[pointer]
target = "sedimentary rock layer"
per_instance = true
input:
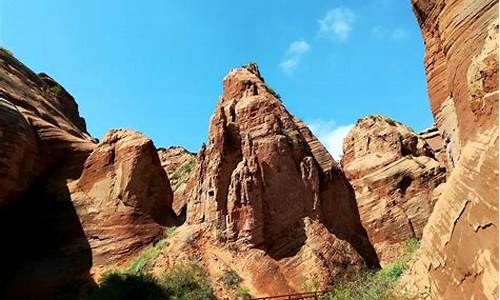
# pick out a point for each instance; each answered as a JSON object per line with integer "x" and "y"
{"x": 396, "y": 179}
{"x": 458, "y": 258}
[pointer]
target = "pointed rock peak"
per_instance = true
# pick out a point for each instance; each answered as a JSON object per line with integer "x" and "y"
{"x": 254, "y": 69}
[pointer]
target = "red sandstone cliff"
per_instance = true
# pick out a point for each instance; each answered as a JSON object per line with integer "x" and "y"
{"x": 66, "y": 202}
{"x": 266, "y": 189}
{"x": 458, "y": 258}
{"x": 396, "y": 179}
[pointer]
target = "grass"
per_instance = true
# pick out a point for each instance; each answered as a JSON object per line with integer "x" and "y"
{"x": 187, "y": 282}
{"x": 143, "y": 262}
{"x": 375, "y": 285}
{"x": 119, "y": 285}
{"x": 231, "y": 279}
{"x": 242, "y": 294}
{"x": 6, "y": 50}
{"x": 56, "y": 90}
{"x": 184, "y": 169}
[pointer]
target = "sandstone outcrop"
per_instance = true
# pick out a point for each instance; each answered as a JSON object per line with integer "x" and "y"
{"x": 123, "y": 197}
{"x": 396, "y": 179}
{"x": 264, "y": 184}
{"x": 179, "y": 164}
{"x": 66, "y": 203}
{"x": 458, "y": 257}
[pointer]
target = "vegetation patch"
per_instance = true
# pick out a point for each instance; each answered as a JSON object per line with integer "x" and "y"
{"x": 375, "y": 285}
{"x": 56, "y": 90}
{"x": 143, "y": 262}
{"x": 187, "y": 282}
{"x": 242, "y": 294}
{"x": 119, "y": 285}
{"x": 6, "y": 51}
{"x": 184, "y": 169}
{"x": 231, "y": 279}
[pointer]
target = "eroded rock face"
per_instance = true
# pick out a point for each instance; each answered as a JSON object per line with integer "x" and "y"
{"x": 263, "y": 176}
{"x": 179, "y": 164}
{"x": 43, "y": 145}
{"x": 66, "y": 203}
{"x": 396, "y": 179}
{"x": 123, "y": 196}
{"x": 458, "y": 258}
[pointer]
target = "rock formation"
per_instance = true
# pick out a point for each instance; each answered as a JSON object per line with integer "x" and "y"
{"x": 66, "y": 203}
{"x": 396, "y": 179}
{"x": 123, "y": 196}
{"x": 458, "y": 257}
{"x": 179, "y": 165}
{"x": 264, "y": 184}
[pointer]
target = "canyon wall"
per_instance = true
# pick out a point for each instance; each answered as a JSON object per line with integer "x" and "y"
{"x": 458, "y": 258}
{"x": 68, "y": 203}
{"x": 397, "y": 180}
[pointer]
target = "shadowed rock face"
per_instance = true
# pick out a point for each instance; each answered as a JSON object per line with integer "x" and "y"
{"x": 66, "y": 203}
{"x": 397, "y": 181}
{"x": 263, "y": 172}
{"x": 179, "y": 164}
{"x": 458, "y": 258}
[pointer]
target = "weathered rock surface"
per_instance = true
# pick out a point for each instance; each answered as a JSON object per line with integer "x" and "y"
{"x": 458, "y": 258}
{"x": 396, "y": 179}
{"x": 264, "y": 183}
{"x": 123, "y": 197}
{"x": 179, "y": 164}
{"x": 58, "y": 221}
{"x": 43, "y": 145}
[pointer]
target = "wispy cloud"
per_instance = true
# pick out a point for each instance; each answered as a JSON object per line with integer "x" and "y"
{"x": 331, "y": 135}
{"x": 337, "y": 23}
{"x": 293, "y": 55}
{"x": 395, "y": 34}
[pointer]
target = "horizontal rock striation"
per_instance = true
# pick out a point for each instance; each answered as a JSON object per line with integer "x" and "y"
{"x": 396, "y": 179}
{"x": 458, "y": 258}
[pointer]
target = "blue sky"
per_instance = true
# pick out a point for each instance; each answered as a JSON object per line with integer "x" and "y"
{"x": 157, "y": 66}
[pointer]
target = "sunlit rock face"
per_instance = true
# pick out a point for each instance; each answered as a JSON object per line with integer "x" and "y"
{"x": 265, "y": 183}
{"x": 179, "y": 164}
{"x": 123, "y": 197}
{"x": 397, "y": 180}
{"x": 458, "y": 258}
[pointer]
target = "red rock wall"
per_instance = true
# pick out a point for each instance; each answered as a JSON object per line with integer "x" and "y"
{"x": 458, "y": 258}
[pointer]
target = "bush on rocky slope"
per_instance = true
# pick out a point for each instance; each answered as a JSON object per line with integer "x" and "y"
{"x": 376, "y": 285}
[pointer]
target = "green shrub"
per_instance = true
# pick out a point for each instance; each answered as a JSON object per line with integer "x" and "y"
{"x": 56, "y": 90}
{"x": 231, "y": 279}
{"x": 188, "y": 282}
{"x": 6, "y": 51}
{"x": 242, "y": 294}
{"x": 143, "y": 262}
{"x": 190, "y": 241}
{"x": 123, "y": 286}
{"x": 375, "y": 285}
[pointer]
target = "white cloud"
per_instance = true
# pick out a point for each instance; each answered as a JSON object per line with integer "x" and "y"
{"x": 331, "y": 135}
{"x": 293, "y": 55}
{"x": 337, "y": 23}
{"x": 298, "y": 48}
{"x": 396, "y": 34}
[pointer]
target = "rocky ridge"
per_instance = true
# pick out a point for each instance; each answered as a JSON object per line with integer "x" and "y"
{"x": 265, "y": 187}
{"x": 80, "y": 203}
{"x": 397, "y": 181}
